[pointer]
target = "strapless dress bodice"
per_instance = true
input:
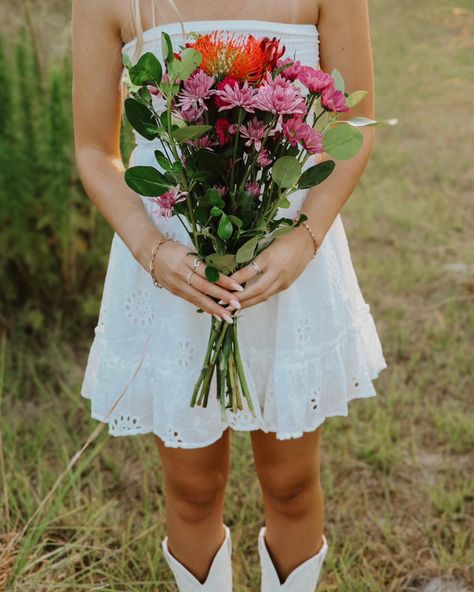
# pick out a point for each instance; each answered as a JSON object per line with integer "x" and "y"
{"x": 301, "y": 40}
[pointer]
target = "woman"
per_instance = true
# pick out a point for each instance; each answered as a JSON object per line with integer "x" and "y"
{"x": 308, "y": 339}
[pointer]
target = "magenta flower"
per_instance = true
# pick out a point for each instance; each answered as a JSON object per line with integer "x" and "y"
{"x": 203, "y": 142}
{"x": 196, "y": 89}
{"x": 234, "y": 95}
{"x": 254, "y": 131}
{"x": 290, "y": 72}
{"x": 253, "y": 187}
{"x": 334, "y": 100}
{"x": 263, "y": 158}
{"x": 279, "y": 96}
{"x": 295, "y": 130}
{"x": 316, "y": 81}
{"x": 313, "y": 141}
{"x": 222, "y": 189}
{"x": 193, "y": 114}
{"x": 167, "y": 201}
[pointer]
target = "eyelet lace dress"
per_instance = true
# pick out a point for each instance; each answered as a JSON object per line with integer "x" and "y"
{"x": 307, "y": 351}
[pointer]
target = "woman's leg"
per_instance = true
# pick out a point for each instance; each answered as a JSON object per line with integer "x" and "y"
{"x": 288, "y": 471}
{"x": 195, "y": 482}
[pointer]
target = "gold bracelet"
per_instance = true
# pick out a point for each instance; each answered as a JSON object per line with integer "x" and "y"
{"x": 152, "y": 261}
{"x": 315, "y": 242}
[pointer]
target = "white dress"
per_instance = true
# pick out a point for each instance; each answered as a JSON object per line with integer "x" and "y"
{"x": 307, "y": 350}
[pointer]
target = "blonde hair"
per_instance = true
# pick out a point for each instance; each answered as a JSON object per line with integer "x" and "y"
{"x": 135, "y": 7}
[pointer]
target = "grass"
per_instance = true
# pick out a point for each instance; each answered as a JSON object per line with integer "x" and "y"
{"x": 397, "y": 473}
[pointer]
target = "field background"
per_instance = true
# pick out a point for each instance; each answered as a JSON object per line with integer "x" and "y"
{"x": 397, "y": 473}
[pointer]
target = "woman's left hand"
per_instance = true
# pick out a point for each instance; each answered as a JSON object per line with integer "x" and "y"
{"x": 281, "y": 263}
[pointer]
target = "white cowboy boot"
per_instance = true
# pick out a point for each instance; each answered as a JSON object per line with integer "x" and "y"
{"x": 303, "y": 578}
{"x": 219, "y": 577}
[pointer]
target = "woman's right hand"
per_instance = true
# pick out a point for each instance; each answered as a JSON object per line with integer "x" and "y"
{"x": 174, "y": 262}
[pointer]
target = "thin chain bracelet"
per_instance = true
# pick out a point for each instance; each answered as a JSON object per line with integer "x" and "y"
{"x": 152, "y": 261}
{"x": 313, "y": 238}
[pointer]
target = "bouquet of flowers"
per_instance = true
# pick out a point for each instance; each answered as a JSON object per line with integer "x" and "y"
{"x": 237, "y": 125}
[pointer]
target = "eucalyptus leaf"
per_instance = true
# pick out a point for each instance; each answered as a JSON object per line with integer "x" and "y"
{"x": 183, "y": 68}
{"x": 284, "y": 202}
{"x": 316, "y": 174}
{"x": 286, "y": 171}
{"x": 212, "y": 274}
{"x": 215, "y": 211}
{"x": 343, "y": 142}
{"x": 355, "y": 98}
{"x": 141, "y": 118}
{"x": 358, "y": 122}
{"x": 338, "y": 80}
{"x": 163, "y": 160}
{"x": 225, "y": 228}
{"x": 190, "y": 132}
{"x": 225, "y": 263}
{"x": 146, "y": 181}
{"x": 245, "y": 252}
{"x": 166, "y": 47}
{"x": 201, "y": 213}
{"x": 147, "y": 70}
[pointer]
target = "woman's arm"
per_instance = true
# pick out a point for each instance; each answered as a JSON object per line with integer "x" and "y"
{"x": 345, "y": 44}
{"x": 97, "y": 68}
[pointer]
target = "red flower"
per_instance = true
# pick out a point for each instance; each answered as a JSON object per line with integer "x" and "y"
{"x": 220, "y": 86}
{"x": 222, "y": 131}
{"x": 272, "y": 51}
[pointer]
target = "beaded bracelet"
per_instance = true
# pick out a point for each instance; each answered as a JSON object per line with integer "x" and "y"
{"x": 315, "y": 242}
{"x": 152, "y": 261}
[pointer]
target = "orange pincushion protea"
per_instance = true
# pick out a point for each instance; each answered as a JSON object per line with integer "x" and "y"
{"x": 240, "y": 57}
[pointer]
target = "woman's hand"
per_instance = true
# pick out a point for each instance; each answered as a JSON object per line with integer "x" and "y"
{"x": 281, "y": 263}
{"x": 173, "y": 263}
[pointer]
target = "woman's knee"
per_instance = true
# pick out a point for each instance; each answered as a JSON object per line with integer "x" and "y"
{"x": 196, "y": 497}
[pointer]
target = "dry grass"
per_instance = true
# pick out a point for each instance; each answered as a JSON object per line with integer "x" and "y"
{"x": 398, "y": 473}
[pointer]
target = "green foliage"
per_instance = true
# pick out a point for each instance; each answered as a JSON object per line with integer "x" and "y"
{"x": 53, "y": 244}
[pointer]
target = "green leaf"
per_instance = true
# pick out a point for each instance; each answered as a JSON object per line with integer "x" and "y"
{"x": 190, "y": 60}
{"x": 284, "y": 202}
{"x": 338, "y": 80}
{"x": 212, "y": 274}
{"x": 201, "y": 213}
{"x": 224, "y": 263}
{"x": 246, "y": 251}
{"x": 146, "y": 181}
{"x": 225, "y": 228}
{"x": 163, "y": 160}
{"x": 358, "y": 122}
{"x": 190, "y": 132}
{"x": 316, "y": 174}
{"x": 214, "y": 198}
{"x": 166, "y": 47}
{"x": 286, "y": 171}
{"x": 147, "y": 70}
{"x": 141, "y": 118}
{"x": 235, "y": 221}
{"x": 343, "y": 142}
{"x": 355, "y": 98}
{"x": 215, "y": 211}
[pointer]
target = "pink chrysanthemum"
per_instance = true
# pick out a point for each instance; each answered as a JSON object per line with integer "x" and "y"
{"x": 254, "y": 132}
{"x": 231, "y": 81}
{"x": 279, "y": 96}
{"x": 203, "y": 142}
{"x": 334, "y": 100}
{"x": 236, "y": 95}
{"x": 313, "y": 141}
{"x": 263, "y": 158}
{"x": 253, "y": 187}
{"x": 222, "y": 189}
{"x": 167, "y": 201}
{"x": 193, "y": 114}
{"x": 316, "y": 81}
{"x": 196, "y": 89}
{"x": 295, "y": 130}
{"x": 290, "y": 72}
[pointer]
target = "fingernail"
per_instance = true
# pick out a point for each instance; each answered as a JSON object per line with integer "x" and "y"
{"x": 228, "y": 318}
{"x": 235, "y": 303}
{"x": 221, "y": 302}
{"x": 236, "y": 286}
